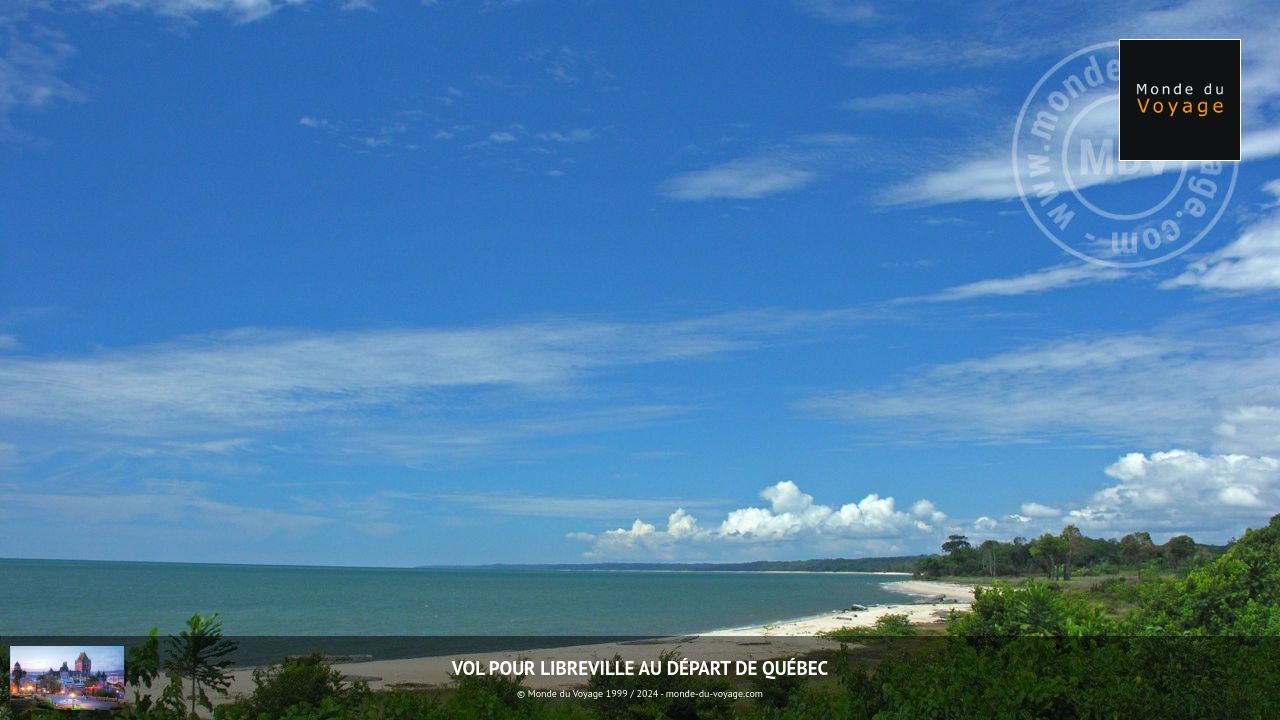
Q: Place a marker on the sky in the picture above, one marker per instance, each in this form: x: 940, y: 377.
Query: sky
x: 453, y: 282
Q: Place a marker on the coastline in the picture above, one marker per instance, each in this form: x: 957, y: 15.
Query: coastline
x: 789, y: 637
x: 947, y: 597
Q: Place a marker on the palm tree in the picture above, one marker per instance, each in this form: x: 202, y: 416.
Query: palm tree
x: 197, y: 655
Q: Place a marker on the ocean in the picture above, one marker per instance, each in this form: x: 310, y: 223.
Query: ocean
x: 55, y: 597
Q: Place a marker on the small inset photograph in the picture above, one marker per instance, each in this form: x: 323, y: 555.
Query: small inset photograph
x: 66, y: 677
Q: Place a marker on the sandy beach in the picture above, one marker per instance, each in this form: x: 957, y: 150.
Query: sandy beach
x: 923, y: 603
x: 934, y: 602
x: 947, y: 597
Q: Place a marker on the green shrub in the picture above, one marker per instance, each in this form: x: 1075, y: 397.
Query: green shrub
x: 890, y: 625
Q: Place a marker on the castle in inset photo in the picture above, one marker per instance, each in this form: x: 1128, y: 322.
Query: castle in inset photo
x: 74, y: 684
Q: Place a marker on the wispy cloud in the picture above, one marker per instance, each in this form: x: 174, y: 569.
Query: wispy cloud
x: 915, y: 52
x: 564, y: 506
x: 743, y: 178
x: 838, y: 11
x: 430, y: 385
x: 1216, y: 387
x: 565, y: 65
x: 952, y: 100
x: 1248, y: 264
x: 238, y: 10
x: 170, y: 503
x: 779, y: 169
x: 1038, y: 281
x: 31, y: 57
x: 988, y: 174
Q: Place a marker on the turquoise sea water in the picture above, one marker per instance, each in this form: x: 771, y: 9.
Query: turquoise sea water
x: 39, y: 597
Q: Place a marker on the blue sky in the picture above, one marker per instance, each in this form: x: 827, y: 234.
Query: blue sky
x: 458, y: 282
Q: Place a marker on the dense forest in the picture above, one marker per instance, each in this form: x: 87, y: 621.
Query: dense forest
x: 1200, y: 641
x: 1055, y: 556
x: 1060, y: 556
x: 902, y: 563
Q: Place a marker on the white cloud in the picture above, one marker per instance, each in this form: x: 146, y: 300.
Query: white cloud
x: 170, y: 502
x: 952, y: 52
x: 1201, y: 386
x: 838, y: 11
x: 744, y: 178
x: 559, y: 506
x: 1249, y: 263
x: 1184, y: 491
x: 319, y: 123
x: 985, y: 524
x: 1036, y: 510
x: 411, y: 392
x: 949, y: 99
x: 239, y: 10
x: 988, y: 175
x: 778, y: 169
x: 1050, y: 278
x: 576, y: 135
x: 30, y: 59
x: 502, y: 136
x: 791, y: 514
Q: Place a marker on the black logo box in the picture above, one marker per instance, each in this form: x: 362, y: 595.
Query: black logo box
x: 1181, y: 65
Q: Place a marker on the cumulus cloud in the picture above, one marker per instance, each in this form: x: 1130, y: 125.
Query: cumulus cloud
x: 1184, y: 491
x: 791, y: 514
x: 1036, y: 510
x: 985, y: 524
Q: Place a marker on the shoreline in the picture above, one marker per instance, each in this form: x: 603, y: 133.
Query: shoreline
x: 796, y: 636
x: 953, y: 596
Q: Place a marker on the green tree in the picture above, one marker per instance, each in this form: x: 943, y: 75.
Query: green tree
x: 955, y: 545
x: 1180, y: 548
x: 197, y: 656
x: 988, y: 551
x: 1074, y: 545
x: 301, y: 682
x: 1048, y: 549
x: 929, y: 567
x: 1136, y: 548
